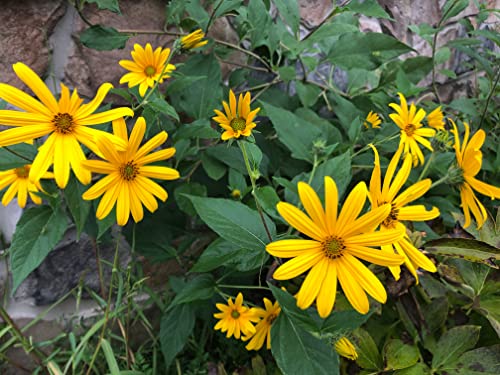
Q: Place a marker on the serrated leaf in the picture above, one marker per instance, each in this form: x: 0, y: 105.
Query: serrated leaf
x: 16, y: 156
x: 175, y: 328
x: 471, y: 250
x: 234, y: 222
x: 38, y: 231
x: 78, y: 207
x: 399, y: 355
x: 111, y: 5
x: 103, y: 38
x: 453, y: 344
x: 299, y: 353
x: 201, y: 287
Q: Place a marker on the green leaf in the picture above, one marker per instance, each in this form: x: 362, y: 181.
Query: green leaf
x: 289, y: 10
x: 481, y: 361
x: 234, y: 222
x: 268, y: 200
x: 474, y: 274
x: 213, y: 167
x: 453, y: 344
x: 442, y: 55
x: 183, y: 202
x: 287, y: 73
x: 217, y: 254
x: 293, y: 132
x: 369, y: 8
x: 366, y: 50
x: 399, y: 355
x: 106, y: 223
x: 197, y: 129
x: 368, y: 355
x: 16, y: 156
x: 436, y: 313
x: 78, y: 207
x: 229, y: 155
x: 176, y: 326
x: 201, y: 287
x: 160, y: 105
x: 199, y: 99
x: 341, y: 321
x: 490, y: 308
x: 227, y: 6
x: 308, y: 94
x: 38, y: 231
x: 110, y: 357
x: 259, y: 19
x: 418, y: 369
x: 462, y: 248
x: 111, y: 5
x: 338, y: 168
x: 289, y: 307
x: 103, y: 38
x: 452, y: 8
x: 299, y: 353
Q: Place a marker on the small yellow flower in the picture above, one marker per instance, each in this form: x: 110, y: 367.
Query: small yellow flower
x: 469, y: 160
x: 236, y: 194
x: 66, y: 122
x: 128, y: 182
x: 193, y: 40
x: 412, y: 133
x: 373, y: 119
x: 263, y: 328
x: 346, y: 349
x: 147, y: 67
x: 337, y: 241
x: 388, y: 192
x: 238, y: 119
x: 20, y: 185
x: 435, y: 119
x: 236, y: 319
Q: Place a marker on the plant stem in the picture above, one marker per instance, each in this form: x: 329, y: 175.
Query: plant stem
x: 37, y: 355
x: 242, y: 286
x: 386, y: 139
x: 212, y: 15
x: 426, y: 167
x: 251, y: 173
x: 439, y: 182
x: 489, y: 98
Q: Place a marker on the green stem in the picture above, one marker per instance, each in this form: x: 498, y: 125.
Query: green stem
x: 212, y: 15
x: 426, y: 167
x: 439, y: 182
x: 252, y: 175
x: 489, y: 98
x: 386, y: 139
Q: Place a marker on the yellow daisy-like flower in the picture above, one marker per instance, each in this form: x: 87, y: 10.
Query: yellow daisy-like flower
x: 236, y: 319
x: 400, y: 210
x: 128, y: 182
x: 373, y: 119
x: 412, y: 133
x: 20, y: 185
x: 263, y: 328
x: 336, y: 243
x: 193, y: 40
x: 435, y: 119
x: 238, y: 119
x: 346, y: 349
x: 66, y: 122
x: 469, y: 160
x: 147, y: 67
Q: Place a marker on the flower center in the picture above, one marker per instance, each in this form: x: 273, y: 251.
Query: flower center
x: 23, y: 172
x: 410, y: 129
x: 271, y: 318
x: 150, y: 71
x: 235, y: 314
x: 63, y: 123
x: 333, y: 247
x: 129, y: 171
x: 238, y: 124
x: 391, y: 220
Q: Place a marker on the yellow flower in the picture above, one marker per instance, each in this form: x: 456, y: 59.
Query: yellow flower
x: 67, y: 122
x: 373, y: 119
x: 238, y: 119
x: 147, y: 67
x: 128, y: 182
x: 337, y: 241
x: 235, y: 319
x: 469, y: 160
x: 20, y: 185
x: 193, y: 40
x: 346, y: 349
x: 410, y: 123
x: 388, y: 192
x: 435, y: 119
x: 236, y: 194
x: 263, y: 328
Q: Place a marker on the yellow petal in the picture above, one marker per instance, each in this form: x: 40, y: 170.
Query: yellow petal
x: 136, y: 137
x: 300, y: 221
x: 352, y: 290
x: 368, y: 222
x: 352, y: 207
x: 328, y: 291
x: 297, y: 266
x: 22, y: 100
x: 43, y: 159
x: 292, y: 248
x: 150, y: 145
x: 374, y: 238
x: 312, y: 284
x: 123, y: 205
x: 331, y: 203
x: 162, y: 173
x: 365, y: 278
x: 106, y: 116
x: 417, y: 213
x: 378, y: 257
x: 312, y: 205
